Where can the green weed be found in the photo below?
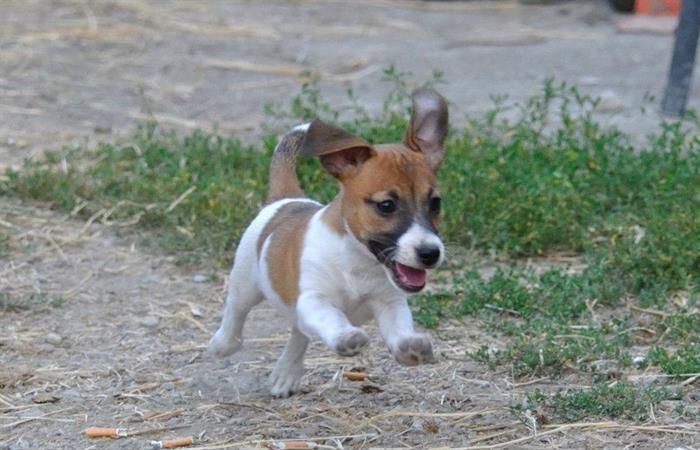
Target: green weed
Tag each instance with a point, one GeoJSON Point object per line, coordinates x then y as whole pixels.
{"type": "Point", "coordinates": [4, 244]}
{"type": "Point", "coordinates": [14, 303]}
{"type": "Point", "coordinates": [619, 400]}
{"type": "Point", "coordinates": [686, 360]}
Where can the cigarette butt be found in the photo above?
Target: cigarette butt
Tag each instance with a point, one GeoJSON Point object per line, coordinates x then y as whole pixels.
{"type": "Point", "coordinates": [291, 445]}
{"type": "Point", "coordinates": [96, 432]}
{"type": "Point", "coordinates": [173, 443]}
{"type": "Point", "coordinates": [356, 376]}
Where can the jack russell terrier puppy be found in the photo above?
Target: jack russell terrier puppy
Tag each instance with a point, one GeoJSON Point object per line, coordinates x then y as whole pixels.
{"type": "Point", "coordinates": [330, 268]}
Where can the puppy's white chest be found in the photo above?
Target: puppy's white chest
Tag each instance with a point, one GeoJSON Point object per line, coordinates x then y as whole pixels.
{"type": "Point", "coordinates": [360, 283]}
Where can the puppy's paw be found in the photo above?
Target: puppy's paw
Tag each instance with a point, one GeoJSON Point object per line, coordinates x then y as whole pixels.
{"type": "Point", "coordinates": [286, 379]}
{"type": "Point", "coordinates": [351, 342]}
{"type": "Point", "coordinates": [221, 345]}
{"type": "Point", "coordinates": [414, 350]}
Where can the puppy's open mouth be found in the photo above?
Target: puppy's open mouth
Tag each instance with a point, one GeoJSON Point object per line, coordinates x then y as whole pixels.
{"type": "Point", "coordinates": [407, 278]}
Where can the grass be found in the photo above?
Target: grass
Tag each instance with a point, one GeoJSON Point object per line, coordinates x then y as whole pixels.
{"type": "Point", "coordinates": [14, 303]}
{"type": "Point", "coordinates": [4, 244]}
{"type": "Point", "coordinates": [685, 360]}
{"type": "Point", "coordinates": [551, 181]}
{"type": "Point", "coordinates": [618, 400]}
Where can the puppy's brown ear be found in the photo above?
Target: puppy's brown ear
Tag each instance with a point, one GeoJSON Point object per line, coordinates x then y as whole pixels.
{"type": "Point", "coordinates": [428, 128]}
{"type": "Point", "coordinates": [340, 152]}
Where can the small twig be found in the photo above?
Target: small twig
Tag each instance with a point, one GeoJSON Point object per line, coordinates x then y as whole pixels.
{"type": "Point", "coordinates": [165, 415]}
{"type": "Point", "coordinates": [156, 430]}
{"type": "Point", "coordinates": [654, 312]}
{"type": "Point", "coordinates": [455, 415]}
{"type": "Point", "coordinates": [599, 426]}
{"type": "Point", "coordinates": [6, 402]}
{"type": "Point", "coordinates": [252, 442]}
{"type": "Point", "coordinates": [492, 436]}
{"type": "Point", "coordinates": [179, 200]}
{"type": "Point", "coordinates": [42, 417]}
{"type": "Point", "coordinates": [690, 380]}
{"type": "Point", "coordinates": [633, 329]}
{"type": "Point", "coordinates": [505, 310]}
{"type": "Point", "coordinates": [573, 336]}
{"type": "Point", "coordinates": [9, 225]}
{"type": "Point", "coordinates": [528, 383]}
{"type": "Point", "coordinates": [91, 220]}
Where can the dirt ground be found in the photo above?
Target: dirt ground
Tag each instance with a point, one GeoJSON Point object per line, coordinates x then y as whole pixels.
{"type": "Point", "coordinates": [73, 70]}
{"type": "Point", "coordinates": [97, 332]}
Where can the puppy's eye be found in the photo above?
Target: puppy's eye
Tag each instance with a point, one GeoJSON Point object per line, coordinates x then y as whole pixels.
{"type": "Point", "coordinates": [386, 206]}
{"type": "Point", "coordinates": [435, 204]}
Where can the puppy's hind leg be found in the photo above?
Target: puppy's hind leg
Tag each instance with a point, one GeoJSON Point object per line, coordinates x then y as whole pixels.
{"type": "Point", "coordinates": [288, 371]}
{"type": "Point", "coordinates": [243, 294]}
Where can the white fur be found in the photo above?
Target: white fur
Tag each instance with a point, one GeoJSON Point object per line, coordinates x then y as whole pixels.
{"type": "Point", "coordinates": [341, 284]}
{"type": "Point", "coordinates": [244, 287]}
{"type": "Point", "coordinates": [417, 236]}
{"type": "Point", "coordinates": [303, 127]}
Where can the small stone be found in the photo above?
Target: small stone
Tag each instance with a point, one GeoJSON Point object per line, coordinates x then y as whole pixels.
{"type": "Point", "coordinates": [610, 102]}
{"type": "Point", "coordinates": [44, 397]}
{"type": "Point", "coordinates": [196, 312]}
{"type": "Point", "coordinates": [71, 394]}
{"type": "Point", "coordinates": [150, 321]}
{"type": "Point", "coordinates": [21, 444]}
{"type": "Point", "coordinates": [199, 278]}
{"type": "Point", "coordinates": [418, 425]}
{"type": "Point", "coordinates": [168, 386]}
{"type": "Point", "coordinates": [637, 360]}
{"type": "Point", "coordinates": [53, 338]}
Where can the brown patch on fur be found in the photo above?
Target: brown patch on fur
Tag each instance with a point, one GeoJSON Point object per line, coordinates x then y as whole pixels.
{"type": "Point", "coordinates": [286, 213]}
{"type": "Point", "coordinates": [287, 228]}
{"type": "Point", "coordinates": [333, 217]}
{"type": "Point", "coordinates": [283, 178]}
{"type": "Point", "coordinates": [395, 168]}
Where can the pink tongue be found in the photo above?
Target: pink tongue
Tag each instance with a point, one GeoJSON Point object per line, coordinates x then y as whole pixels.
{"type": "Point", "coordinates": [410, 275]}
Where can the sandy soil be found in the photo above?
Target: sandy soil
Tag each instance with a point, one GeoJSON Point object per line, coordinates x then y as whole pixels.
{"type": "Point", "coordinates": [75, 70]}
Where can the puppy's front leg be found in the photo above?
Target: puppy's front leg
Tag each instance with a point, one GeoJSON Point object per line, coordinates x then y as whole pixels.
{"type": "Point", "coordinates": [396, 326]}
{"type": "Point", "coordinates": [288, 371]}
{"type": "Point", "coordinates": [319, 317]}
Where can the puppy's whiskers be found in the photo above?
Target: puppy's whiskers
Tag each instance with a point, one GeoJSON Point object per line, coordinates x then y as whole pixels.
{"type": "Point", "coordinates": [387, 254]}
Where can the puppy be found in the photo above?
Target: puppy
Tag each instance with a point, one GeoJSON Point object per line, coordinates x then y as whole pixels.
{"type": "Point", "coordinates": [331, 268]}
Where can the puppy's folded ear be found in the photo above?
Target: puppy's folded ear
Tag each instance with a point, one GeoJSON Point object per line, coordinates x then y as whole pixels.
{"type": "Point", "coordinates": [340, 152]}
{"type": "Point", "coordinates": [428, 128]}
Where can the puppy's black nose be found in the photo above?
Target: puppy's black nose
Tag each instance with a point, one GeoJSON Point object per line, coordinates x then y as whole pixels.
{"type": "Point", "coordinates": [428, 254]}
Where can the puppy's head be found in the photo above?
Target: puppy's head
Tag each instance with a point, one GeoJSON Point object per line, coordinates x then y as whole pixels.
{"type": "Point", "coordinates": [390, 200]}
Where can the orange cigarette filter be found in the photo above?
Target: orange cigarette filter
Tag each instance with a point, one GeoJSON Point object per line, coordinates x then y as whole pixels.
{"type": "Point", "coordinates": [97, 432]}
{"type": "Point", "coordinates": [356, 376]}
{"type": "Point", "coordinates": [173, 443]}
{"type": "Point", "coordinates": [296, 445]}
{"type": "Point", "coordinates": [290, 445]}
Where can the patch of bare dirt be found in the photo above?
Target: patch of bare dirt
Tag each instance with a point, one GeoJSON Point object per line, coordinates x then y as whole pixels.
{"type": "Point", "coordinates": [73, 71]}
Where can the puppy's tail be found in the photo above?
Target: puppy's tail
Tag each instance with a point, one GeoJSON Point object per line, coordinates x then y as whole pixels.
{"type": "Point", "coordinates": [284, 182]}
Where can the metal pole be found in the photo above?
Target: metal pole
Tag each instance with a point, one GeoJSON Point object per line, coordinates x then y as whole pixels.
{"type": "Point", "coordinates": [683, 60]}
